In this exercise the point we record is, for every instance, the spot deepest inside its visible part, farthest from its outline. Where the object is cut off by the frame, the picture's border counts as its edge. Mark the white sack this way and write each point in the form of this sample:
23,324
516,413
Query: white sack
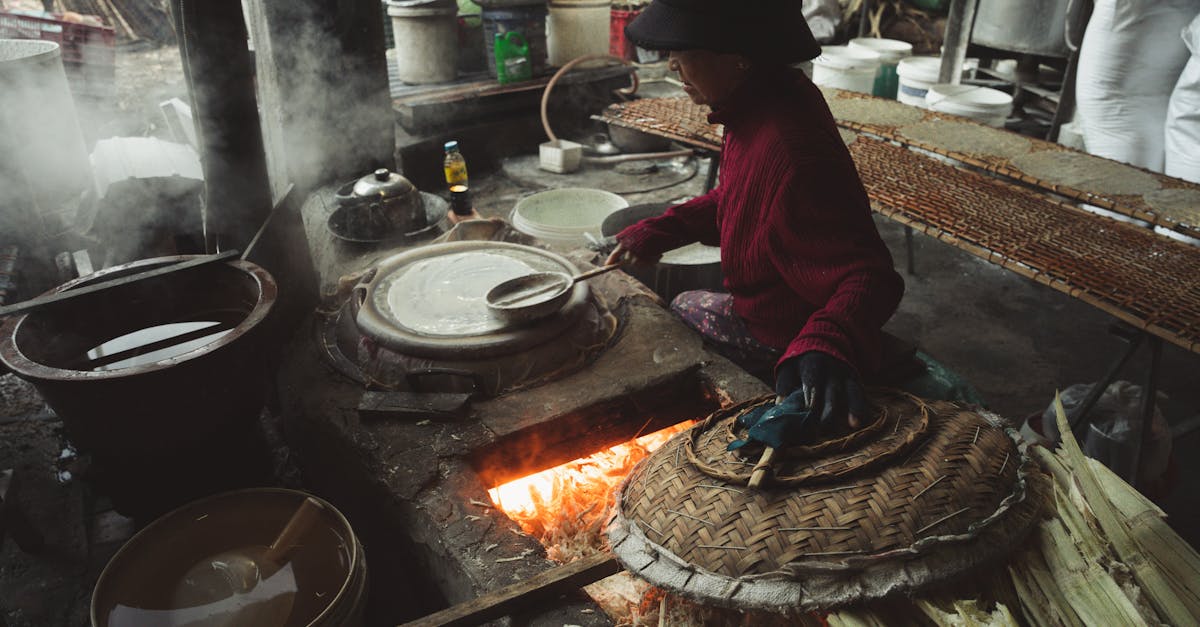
823,17
1129,62
1183,114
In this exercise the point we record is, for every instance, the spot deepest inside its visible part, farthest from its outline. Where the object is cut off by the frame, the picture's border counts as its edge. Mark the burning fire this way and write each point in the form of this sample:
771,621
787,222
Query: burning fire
564,506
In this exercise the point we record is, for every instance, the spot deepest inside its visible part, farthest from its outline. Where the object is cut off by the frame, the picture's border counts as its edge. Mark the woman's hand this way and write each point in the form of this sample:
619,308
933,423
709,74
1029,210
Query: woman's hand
625,257
828,387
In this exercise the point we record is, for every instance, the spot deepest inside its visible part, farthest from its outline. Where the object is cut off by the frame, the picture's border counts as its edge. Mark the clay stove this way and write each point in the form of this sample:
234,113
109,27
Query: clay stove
417,488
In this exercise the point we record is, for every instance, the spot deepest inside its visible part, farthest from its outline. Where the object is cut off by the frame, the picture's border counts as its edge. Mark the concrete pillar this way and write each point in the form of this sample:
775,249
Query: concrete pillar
220,73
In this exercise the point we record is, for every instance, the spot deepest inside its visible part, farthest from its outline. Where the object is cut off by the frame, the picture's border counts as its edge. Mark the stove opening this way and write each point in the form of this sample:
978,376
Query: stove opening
565,507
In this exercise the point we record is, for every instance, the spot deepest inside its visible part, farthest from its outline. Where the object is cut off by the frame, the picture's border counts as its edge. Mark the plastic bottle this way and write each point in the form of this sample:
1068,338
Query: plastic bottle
454,165
512,58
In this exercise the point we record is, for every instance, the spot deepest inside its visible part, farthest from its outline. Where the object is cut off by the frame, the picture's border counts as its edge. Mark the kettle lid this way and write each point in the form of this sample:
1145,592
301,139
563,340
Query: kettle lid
383,183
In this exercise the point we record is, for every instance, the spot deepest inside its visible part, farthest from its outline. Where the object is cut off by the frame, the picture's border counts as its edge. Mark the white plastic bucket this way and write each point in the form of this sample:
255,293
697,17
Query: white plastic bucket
890,52
43,156
575,28
847,68
426,41
916,74
563,218
983,104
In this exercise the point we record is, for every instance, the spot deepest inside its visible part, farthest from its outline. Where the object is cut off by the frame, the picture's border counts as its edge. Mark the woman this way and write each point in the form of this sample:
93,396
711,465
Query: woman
810,280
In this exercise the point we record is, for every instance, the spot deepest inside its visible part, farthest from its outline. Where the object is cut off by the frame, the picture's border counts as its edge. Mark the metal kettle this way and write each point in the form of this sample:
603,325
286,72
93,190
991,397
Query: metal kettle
397,198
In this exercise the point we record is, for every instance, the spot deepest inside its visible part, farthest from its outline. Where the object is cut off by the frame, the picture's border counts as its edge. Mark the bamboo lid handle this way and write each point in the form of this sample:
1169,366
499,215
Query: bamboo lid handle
299,524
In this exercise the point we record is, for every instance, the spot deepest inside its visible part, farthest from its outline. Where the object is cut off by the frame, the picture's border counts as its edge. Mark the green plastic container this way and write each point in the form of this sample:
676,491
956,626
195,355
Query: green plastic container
512,58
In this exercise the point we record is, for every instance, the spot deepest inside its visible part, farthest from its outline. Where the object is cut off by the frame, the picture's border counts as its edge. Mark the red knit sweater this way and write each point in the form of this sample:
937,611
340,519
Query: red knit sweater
800,253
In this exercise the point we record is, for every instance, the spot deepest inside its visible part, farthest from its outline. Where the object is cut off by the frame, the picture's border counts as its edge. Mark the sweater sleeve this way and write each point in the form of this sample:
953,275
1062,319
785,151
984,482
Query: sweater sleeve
692,221
825,246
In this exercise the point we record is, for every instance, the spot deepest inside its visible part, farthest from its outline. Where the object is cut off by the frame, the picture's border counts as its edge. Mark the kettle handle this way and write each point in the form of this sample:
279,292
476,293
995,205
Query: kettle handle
511,35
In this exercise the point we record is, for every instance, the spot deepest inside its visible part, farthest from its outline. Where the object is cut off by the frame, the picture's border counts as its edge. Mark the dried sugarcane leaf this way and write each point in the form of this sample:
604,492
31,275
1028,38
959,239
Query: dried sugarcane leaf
939,616
1033,572
1166,601
1089,589
999,616
1098,550
1124,497
1051,464
1033,602
965,613
1146,524
1076,516
854,618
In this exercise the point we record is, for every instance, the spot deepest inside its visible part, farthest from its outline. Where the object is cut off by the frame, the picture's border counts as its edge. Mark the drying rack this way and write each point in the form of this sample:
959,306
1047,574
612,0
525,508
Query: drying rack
986,206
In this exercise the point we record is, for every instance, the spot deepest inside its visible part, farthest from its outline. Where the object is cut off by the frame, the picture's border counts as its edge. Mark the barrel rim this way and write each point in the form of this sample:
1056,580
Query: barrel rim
12,355
354,548
50,49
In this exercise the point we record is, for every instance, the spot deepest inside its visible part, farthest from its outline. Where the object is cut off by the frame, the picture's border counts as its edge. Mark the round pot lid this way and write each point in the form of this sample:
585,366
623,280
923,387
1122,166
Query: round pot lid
383,183
923,494
430,302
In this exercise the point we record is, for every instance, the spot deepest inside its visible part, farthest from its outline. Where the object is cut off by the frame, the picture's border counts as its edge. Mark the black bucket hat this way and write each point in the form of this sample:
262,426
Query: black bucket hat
763,29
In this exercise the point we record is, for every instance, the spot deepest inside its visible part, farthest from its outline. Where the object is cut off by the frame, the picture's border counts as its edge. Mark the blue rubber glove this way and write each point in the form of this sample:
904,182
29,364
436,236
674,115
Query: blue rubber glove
777,426
828,387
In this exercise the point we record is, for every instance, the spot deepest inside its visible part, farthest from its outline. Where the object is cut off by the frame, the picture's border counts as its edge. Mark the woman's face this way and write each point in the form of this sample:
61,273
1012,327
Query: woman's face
709,78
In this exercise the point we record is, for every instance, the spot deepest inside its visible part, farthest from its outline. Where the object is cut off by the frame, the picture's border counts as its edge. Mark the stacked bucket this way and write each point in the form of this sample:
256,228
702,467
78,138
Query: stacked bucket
435,40
887,69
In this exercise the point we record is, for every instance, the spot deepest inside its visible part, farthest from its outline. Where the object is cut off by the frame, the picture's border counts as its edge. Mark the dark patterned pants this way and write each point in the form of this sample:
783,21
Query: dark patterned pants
711,314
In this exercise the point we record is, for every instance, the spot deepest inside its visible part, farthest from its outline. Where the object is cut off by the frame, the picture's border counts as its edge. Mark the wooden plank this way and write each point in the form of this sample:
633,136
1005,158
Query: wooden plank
424,107
488,86
54,299
525,594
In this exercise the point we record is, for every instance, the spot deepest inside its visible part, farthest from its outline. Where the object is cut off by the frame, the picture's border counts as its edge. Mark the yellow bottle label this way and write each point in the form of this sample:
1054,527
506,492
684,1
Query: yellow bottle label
456,172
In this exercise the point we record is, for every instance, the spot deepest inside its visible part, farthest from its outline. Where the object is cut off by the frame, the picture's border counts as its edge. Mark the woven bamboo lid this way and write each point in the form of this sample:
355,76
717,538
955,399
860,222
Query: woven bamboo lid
925,492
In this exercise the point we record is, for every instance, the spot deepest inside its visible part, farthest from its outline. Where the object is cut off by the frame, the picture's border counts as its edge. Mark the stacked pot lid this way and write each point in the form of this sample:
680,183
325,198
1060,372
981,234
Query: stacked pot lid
923,494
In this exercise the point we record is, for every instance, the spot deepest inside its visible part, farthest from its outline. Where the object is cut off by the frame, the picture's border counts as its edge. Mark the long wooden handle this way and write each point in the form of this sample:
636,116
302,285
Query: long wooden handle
299,524
104,284
532,592
595,272
764,462
762,467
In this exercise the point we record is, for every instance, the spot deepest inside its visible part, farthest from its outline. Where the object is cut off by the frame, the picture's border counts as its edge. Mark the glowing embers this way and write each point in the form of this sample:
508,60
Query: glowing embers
564,507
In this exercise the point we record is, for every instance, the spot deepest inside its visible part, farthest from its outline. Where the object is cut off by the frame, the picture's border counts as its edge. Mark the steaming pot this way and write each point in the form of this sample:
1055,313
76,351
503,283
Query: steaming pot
398,199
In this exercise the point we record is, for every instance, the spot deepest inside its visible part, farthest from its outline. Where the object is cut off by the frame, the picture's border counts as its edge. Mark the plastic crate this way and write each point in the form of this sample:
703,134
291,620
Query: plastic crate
88,52
81,43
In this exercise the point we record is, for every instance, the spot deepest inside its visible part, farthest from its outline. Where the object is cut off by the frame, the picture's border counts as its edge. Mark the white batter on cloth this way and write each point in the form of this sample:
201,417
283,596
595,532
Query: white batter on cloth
692,254
446,295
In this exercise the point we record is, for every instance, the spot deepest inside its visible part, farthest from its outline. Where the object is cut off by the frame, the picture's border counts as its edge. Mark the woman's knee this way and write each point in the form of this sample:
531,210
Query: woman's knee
692,301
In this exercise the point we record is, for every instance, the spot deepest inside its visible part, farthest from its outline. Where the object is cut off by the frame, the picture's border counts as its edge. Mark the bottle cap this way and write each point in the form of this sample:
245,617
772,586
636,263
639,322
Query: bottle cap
451,145
460,200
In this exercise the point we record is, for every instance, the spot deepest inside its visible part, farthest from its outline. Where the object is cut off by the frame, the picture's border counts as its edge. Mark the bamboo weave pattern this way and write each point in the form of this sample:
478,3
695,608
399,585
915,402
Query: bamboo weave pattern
677,118
1147,280
960,494
1134,206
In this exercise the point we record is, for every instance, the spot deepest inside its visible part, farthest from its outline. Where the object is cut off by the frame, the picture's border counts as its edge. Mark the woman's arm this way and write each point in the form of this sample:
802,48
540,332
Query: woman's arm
828,250
692,221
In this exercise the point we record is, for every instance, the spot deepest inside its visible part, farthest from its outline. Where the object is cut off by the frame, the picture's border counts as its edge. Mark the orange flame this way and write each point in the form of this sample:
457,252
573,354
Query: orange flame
564,506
